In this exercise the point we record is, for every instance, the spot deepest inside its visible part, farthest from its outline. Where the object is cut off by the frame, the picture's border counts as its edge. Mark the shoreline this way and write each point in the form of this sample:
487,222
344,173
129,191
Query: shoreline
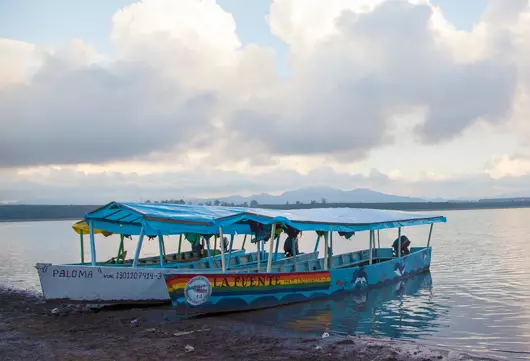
38,213
18,220
30,328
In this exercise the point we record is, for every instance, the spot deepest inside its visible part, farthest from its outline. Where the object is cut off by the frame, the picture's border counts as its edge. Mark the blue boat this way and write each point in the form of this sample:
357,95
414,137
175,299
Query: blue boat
330,275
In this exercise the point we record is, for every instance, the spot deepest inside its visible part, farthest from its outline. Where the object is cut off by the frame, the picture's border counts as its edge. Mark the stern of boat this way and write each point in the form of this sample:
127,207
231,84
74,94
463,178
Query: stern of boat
102,285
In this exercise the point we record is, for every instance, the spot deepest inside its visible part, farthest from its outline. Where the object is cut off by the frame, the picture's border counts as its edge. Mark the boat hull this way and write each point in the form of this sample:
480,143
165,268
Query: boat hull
218,292
102,285
118,284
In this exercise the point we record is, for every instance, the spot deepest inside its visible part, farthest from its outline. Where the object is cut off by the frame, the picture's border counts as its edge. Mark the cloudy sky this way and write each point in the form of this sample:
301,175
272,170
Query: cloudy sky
121,100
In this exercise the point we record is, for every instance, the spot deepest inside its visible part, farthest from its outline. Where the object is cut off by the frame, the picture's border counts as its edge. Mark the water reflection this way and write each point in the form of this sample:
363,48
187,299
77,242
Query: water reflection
402,309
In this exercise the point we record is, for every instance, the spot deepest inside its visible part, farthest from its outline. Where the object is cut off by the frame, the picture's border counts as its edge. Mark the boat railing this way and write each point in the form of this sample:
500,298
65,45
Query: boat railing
251,266
344,260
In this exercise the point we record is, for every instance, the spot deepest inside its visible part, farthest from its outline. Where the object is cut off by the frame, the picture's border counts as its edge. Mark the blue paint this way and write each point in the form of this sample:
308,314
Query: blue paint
371,311
207,241
154,219
92,244
229,250
161,249
317,242
276,250
349,279
138,249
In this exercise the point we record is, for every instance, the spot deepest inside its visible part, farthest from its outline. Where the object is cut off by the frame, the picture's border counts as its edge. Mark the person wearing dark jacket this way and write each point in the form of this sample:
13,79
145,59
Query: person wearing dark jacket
405,243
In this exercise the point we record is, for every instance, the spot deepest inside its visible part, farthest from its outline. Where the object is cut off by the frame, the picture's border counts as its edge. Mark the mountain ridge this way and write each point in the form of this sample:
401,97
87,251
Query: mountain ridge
315,194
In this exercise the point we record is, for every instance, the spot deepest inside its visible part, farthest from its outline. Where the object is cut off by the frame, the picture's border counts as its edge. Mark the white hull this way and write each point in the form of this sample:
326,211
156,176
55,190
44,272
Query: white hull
103,285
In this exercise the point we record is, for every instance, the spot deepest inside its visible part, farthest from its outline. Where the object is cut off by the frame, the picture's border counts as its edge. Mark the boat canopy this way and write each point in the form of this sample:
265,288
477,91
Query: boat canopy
166,219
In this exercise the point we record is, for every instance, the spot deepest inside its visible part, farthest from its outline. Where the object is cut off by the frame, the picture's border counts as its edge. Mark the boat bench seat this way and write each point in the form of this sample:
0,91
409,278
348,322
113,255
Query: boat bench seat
352,259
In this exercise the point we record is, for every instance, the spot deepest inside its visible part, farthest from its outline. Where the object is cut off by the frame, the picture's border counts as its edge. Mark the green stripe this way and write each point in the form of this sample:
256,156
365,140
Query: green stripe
274,287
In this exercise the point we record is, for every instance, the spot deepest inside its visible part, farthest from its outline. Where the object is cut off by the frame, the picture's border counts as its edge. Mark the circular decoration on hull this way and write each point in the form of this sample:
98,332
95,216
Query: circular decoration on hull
198,290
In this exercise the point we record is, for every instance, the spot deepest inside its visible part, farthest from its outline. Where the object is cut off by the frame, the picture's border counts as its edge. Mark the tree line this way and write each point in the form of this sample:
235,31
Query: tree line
253,203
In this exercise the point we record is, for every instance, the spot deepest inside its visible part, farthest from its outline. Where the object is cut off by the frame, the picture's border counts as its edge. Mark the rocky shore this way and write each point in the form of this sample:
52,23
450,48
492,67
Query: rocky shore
31,329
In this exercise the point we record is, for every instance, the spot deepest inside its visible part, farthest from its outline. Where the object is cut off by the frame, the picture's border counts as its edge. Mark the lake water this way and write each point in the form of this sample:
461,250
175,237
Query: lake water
476,297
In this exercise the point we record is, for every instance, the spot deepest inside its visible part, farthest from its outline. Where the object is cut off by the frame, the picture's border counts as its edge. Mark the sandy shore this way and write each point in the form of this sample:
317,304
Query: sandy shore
30,330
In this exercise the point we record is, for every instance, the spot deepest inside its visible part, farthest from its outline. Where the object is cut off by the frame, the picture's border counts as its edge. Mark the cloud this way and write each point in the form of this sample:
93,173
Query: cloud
91,114
179,67
370,67
182,83
515,165
18,60
70,186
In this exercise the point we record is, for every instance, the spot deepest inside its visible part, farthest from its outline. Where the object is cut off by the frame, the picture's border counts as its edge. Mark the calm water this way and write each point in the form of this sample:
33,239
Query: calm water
476,297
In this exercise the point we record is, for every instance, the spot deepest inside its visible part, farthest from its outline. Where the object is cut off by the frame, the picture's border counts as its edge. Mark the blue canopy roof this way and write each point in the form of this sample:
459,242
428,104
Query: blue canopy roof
130,218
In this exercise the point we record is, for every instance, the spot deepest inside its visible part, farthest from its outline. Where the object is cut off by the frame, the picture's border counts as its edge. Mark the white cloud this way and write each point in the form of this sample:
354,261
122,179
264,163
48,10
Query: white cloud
18,61
67,185
515,165
371,67
183,93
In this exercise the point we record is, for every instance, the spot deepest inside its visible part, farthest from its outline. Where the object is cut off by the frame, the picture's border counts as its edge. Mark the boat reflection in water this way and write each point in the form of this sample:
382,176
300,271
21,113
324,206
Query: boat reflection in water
403,309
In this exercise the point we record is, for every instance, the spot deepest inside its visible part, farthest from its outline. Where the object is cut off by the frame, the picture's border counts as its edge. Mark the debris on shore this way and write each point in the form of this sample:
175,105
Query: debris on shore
30,329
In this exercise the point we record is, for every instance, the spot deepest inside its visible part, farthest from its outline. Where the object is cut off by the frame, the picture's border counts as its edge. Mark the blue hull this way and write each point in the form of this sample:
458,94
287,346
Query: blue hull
218,292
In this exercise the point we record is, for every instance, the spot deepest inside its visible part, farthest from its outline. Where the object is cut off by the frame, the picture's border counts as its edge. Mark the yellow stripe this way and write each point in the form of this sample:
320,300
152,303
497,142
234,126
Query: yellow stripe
180,285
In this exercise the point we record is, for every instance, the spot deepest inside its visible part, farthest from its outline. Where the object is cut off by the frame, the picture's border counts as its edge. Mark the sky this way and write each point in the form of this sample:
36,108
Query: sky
156,99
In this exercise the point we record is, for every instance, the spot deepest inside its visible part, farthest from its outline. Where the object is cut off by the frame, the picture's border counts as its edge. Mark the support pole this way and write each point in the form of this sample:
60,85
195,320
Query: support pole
222,249
161,250
120,248
138,248
230,249
180,244
399,242
258,254
244,241
330,253
92,243
215,243
82,244
276,251
326,235
210,262
430,234
271,245
371,245
378,246
316,244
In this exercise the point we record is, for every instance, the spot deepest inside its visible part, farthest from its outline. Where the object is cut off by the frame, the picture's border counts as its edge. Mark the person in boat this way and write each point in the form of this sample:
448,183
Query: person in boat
225,244
197,248
290,247
405,243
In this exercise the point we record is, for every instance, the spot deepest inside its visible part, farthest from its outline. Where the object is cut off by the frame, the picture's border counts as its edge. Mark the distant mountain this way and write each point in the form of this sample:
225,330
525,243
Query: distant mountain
306,195
517,195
